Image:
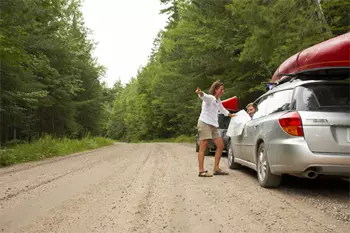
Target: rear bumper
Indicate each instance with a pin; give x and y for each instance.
(293, 156)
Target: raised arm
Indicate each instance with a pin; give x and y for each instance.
(206, 98)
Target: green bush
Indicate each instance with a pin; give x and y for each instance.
(185, 139)
(47, 147)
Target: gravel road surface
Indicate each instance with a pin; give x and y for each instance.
(155, 188)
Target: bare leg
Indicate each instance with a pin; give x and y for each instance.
(219, 148)
(202, 147)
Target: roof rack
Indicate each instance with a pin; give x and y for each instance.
(286, 78)
(332, 73)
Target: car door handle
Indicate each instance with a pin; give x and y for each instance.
(255, 127)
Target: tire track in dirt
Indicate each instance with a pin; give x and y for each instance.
(78, 182)
(100, 201)
(20, 180)
(152, 188)
(30, 165)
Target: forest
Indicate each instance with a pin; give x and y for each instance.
(50, 83)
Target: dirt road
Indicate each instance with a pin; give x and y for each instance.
(155, 188)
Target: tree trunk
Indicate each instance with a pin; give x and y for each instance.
(14, 133)
(53, 125)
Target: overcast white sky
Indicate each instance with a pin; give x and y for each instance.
(125, 31)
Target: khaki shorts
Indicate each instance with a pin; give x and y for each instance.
(206, 131)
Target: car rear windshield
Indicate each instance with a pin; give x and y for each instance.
(224, 121)
(322, 97)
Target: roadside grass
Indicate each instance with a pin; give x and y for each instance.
(47, 147)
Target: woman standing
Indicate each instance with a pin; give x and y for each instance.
(208, 126)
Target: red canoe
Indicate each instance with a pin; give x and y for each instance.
(231, 104)
(327, 55)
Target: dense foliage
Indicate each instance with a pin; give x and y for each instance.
(50, 81)
(240, 42)
(337, 15)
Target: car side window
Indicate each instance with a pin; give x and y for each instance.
(261, 108)
(279, 101)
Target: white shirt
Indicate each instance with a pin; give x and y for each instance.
(211, 107)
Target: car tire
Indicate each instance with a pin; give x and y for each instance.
(231, 158)
(265, 177)
(197, 147)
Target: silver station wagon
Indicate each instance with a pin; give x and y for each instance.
(300, 128)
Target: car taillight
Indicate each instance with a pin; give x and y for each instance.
(291, 124)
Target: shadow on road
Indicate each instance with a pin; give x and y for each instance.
(330, 187)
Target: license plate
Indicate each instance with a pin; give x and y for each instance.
(348, 133)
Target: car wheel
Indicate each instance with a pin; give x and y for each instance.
(265, 177)
(231, 158)
(197, 147)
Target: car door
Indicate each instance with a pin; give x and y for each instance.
(251, 128)
(265, 124)
(238, 146)
(224, 122)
